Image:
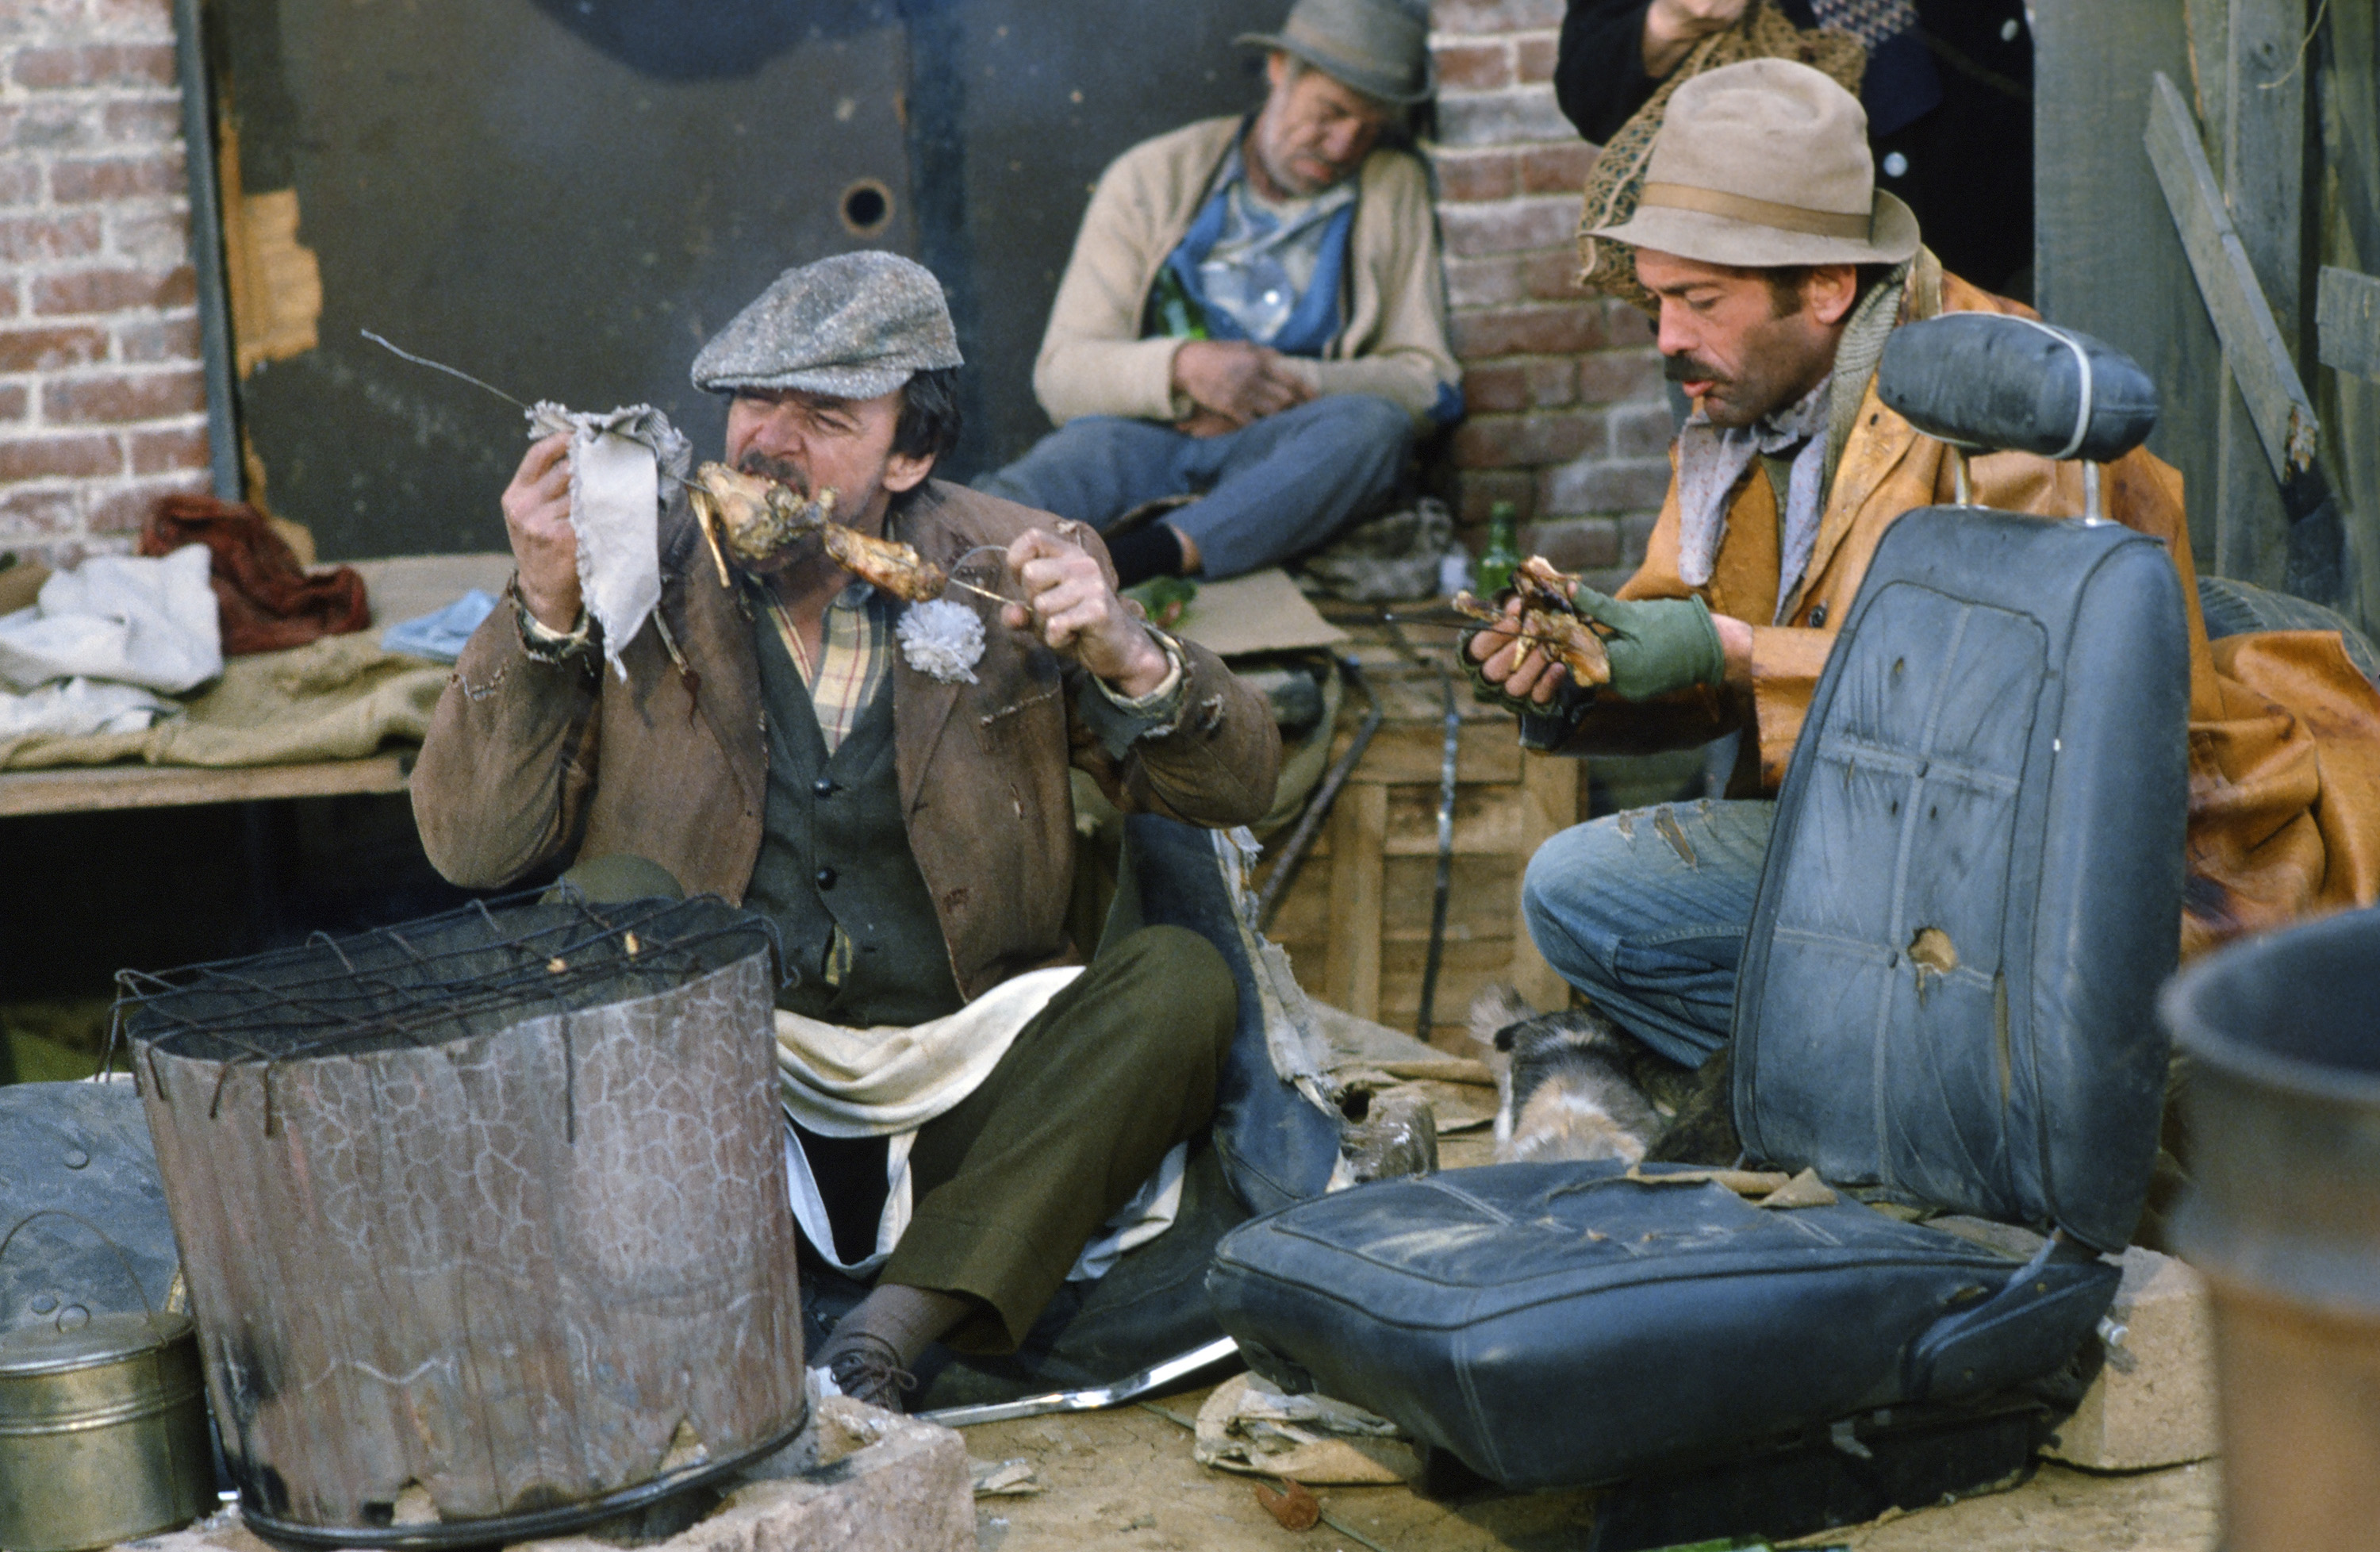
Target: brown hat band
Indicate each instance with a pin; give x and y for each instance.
(1759, 212)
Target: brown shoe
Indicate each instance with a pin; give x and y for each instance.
(865, 1368)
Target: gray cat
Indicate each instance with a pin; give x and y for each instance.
(1563, 1083)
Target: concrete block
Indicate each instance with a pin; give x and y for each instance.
(858, 1479)
(2154, 1402)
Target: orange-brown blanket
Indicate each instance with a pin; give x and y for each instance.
(268, 601)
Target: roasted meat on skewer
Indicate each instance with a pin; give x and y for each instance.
(757, 519)
(1547, 622)
(888, 564)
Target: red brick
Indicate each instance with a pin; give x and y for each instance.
(1535, 57)
(1551, 275)
(1605, 485)
(161, 339)
(38, 514)
(116, 18)
(78, 455)
(1530, 331)
(1474, 67)
(1611, 376)
(1510, 227)
(1479, 490)
(1557, 169)
(14, 402)
(1477, 283)
(1575, 544)
(81, 182)
(147, 236)
(1635, 529)
(150, 121)
(1527, 113)
(48, 349)
(31, 237)
(125, 511)
(21, 183)
(1495, 16)
(1516, 441)
(1477, 174)
(169, 452)
(9, 298)
(1486, 389)
(84, 291)
(116, 398)
(67, 66)
(1643, 431)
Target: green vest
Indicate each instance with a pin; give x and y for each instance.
(835, 852)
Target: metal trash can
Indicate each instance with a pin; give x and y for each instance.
(483, 1216)
(2283, 1218)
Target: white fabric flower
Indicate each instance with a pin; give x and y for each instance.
(942, 639)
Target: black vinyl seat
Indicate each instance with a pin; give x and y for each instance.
(1946, 1005)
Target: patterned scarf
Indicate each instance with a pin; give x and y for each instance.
(1871, 21)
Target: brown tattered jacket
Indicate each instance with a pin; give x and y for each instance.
(2284, 732)
(527, 762)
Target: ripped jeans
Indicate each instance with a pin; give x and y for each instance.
(1646, 912)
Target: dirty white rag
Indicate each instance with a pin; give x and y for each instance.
(624, 465)
(890, 1080)
(129, 618)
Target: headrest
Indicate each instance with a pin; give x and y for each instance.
(1996, 382)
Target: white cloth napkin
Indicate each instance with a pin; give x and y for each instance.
(624, 466)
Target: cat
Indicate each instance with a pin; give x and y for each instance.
(1563, 1083)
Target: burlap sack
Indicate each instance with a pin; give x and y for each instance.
(1619, 174)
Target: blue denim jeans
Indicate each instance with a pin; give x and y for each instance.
(1645, 912)
(1273, 488)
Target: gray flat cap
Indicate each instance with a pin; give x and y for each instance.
(854, 326)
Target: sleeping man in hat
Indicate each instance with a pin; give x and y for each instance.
(1253, 315)
(1780, 271)
(889, 783)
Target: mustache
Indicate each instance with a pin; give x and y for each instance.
(781, 470)
(1686, 368)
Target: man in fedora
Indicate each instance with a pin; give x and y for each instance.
(889, 784)
(1253, 315)
(1780, 270)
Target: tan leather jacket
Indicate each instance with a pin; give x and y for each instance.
(2284, 733)
(527, 762)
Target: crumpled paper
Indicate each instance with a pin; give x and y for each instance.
(1248, 1425)
(624, 465)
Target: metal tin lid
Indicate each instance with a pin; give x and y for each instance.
(102, 1338)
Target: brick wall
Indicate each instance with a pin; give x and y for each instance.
(1567, 416)
(102, 401)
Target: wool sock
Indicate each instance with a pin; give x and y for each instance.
(902, 1317)
(1153, 550)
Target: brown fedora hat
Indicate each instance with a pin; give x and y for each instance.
(1378, 47)
(1766, 163)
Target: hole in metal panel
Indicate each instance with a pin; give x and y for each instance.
(866, 207)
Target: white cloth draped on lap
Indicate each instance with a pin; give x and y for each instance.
(888, 1081)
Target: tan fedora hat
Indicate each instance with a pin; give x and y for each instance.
(1766, 163)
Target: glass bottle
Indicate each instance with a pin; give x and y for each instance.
(1177, 310)
(1503, 556)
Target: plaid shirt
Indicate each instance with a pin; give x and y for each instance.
(853, 658)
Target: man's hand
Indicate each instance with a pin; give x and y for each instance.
(1070, 606)
(1238, 381)
(1658, 647)
(545, 547)
(1673, 26)
(1522, 673)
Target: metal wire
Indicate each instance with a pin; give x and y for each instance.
(463, 973)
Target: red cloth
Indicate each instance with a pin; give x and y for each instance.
(268, 601)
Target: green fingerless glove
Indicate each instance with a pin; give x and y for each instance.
(1657, 646)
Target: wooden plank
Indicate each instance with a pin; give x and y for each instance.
(2105, 259)
(1359, 823)
(1488, 818)
(2252, 347)
(1550, 790)
(1478, 901)
(2346, 322)
(1482, 752)
(90, 789)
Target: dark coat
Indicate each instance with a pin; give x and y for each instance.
(528, 762)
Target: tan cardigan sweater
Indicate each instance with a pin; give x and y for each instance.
(1393, 343)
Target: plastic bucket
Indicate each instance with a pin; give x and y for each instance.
(2283, 1218)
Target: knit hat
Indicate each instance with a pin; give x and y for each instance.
(854, 326)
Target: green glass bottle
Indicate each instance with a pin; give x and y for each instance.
(1177, 311)
(1503, 556)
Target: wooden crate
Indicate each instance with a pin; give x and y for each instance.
(1355, 919)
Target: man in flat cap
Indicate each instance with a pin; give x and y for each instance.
(1780, 270)
(1253, 315)
(888, 783)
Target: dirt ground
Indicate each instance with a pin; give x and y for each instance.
(1125, 1479)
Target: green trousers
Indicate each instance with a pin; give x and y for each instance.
(1011, 1183)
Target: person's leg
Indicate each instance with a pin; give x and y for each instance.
(1014, 1181)
(1094, 469)
(1283, 485)
(1645, 912)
